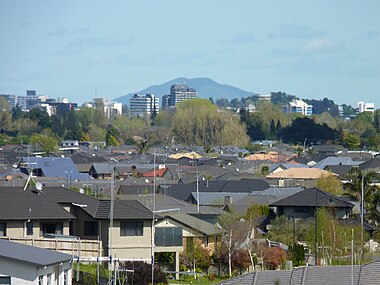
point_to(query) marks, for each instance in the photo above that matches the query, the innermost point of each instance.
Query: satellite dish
(38, 186)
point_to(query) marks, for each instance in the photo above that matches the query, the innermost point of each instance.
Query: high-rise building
(11, 99)
(180, 93)
(299, 106)
(365, 107)
(140, 105)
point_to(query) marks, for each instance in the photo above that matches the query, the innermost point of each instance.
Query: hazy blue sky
(312, 49)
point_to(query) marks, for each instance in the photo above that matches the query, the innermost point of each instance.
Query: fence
(75, 247)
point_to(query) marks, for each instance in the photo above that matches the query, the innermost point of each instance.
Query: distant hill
(205, 87)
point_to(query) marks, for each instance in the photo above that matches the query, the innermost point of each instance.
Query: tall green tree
(44, 143)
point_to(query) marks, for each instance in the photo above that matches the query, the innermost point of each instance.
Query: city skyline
(309, 49)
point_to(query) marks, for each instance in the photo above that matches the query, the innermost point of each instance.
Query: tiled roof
(335, 161)
(366, 274)
(195, 223)
(301, 173)
(312, 197)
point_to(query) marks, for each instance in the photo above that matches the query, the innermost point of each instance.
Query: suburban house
(65, 220)
(304, 204)
(23, 265)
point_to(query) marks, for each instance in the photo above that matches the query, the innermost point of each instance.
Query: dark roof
(312, 275)
(17, 204)
(86, 158)
(313, 197)
(31, 254)
(183, 191)
(356, 222)
(370, 164)
(341, 170)
(48, 204)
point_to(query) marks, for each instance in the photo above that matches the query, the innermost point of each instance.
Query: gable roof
(31, 254)
(370, 164)
(312, 197)
(195, 223)
(183, 191)
(53, 167)
(17, 204)
(49, 204)
(301, 173)
(335, 161)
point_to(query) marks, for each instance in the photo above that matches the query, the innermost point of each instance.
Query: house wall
(17, 229)
(340, 213)
(187, 232)
(23, 273)
(132, 246)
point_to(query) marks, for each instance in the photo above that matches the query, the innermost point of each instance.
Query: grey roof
(195, 223)
(370, 164)
(53, 167)
(86, 158)
(341, 170)
(31, 254)
(286, 166)
(216, 198)
(313, 275)
(313, 197)
(183, 191)
(17, 204)
(336, 161)
(48, 204)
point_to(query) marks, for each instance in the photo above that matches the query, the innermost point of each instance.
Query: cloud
(64, 32)
(243, 38)
(320, 45)
(295, 31)
(84, 41)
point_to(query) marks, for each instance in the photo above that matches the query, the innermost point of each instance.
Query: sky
(82, 49)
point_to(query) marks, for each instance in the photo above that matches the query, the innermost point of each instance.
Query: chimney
(227, 200)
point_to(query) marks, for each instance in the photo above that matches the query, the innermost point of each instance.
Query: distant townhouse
(299, 106)
(178, 94)
(141, 105)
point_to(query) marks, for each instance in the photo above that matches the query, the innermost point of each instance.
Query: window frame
(131, 228)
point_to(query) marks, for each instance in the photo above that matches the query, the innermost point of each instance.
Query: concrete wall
(23, 273)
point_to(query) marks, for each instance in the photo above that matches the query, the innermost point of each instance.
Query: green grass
(200, 281)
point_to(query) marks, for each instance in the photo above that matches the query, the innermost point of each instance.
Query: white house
(25, 265)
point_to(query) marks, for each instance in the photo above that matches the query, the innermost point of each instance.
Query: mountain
(205, 87)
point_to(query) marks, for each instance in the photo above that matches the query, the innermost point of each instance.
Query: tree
(45, 143)
(143, 273)
(235, 233)
(195, 255)
(198, 122)
(274, 257)
(358, 178)
(330, 184)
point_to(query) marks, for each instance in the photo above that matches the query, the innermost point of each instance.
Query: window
(90, 228)
(29, 228)
(170, 236)
(5, 280)
(48, 279)
(133, 228)
(41, 280)
(3, 230)
(51, 228)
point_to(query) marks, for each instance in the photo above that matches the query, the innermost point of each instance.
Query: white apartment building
(139, 105)
(365, 107)
(110, 108)
(299, 106)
